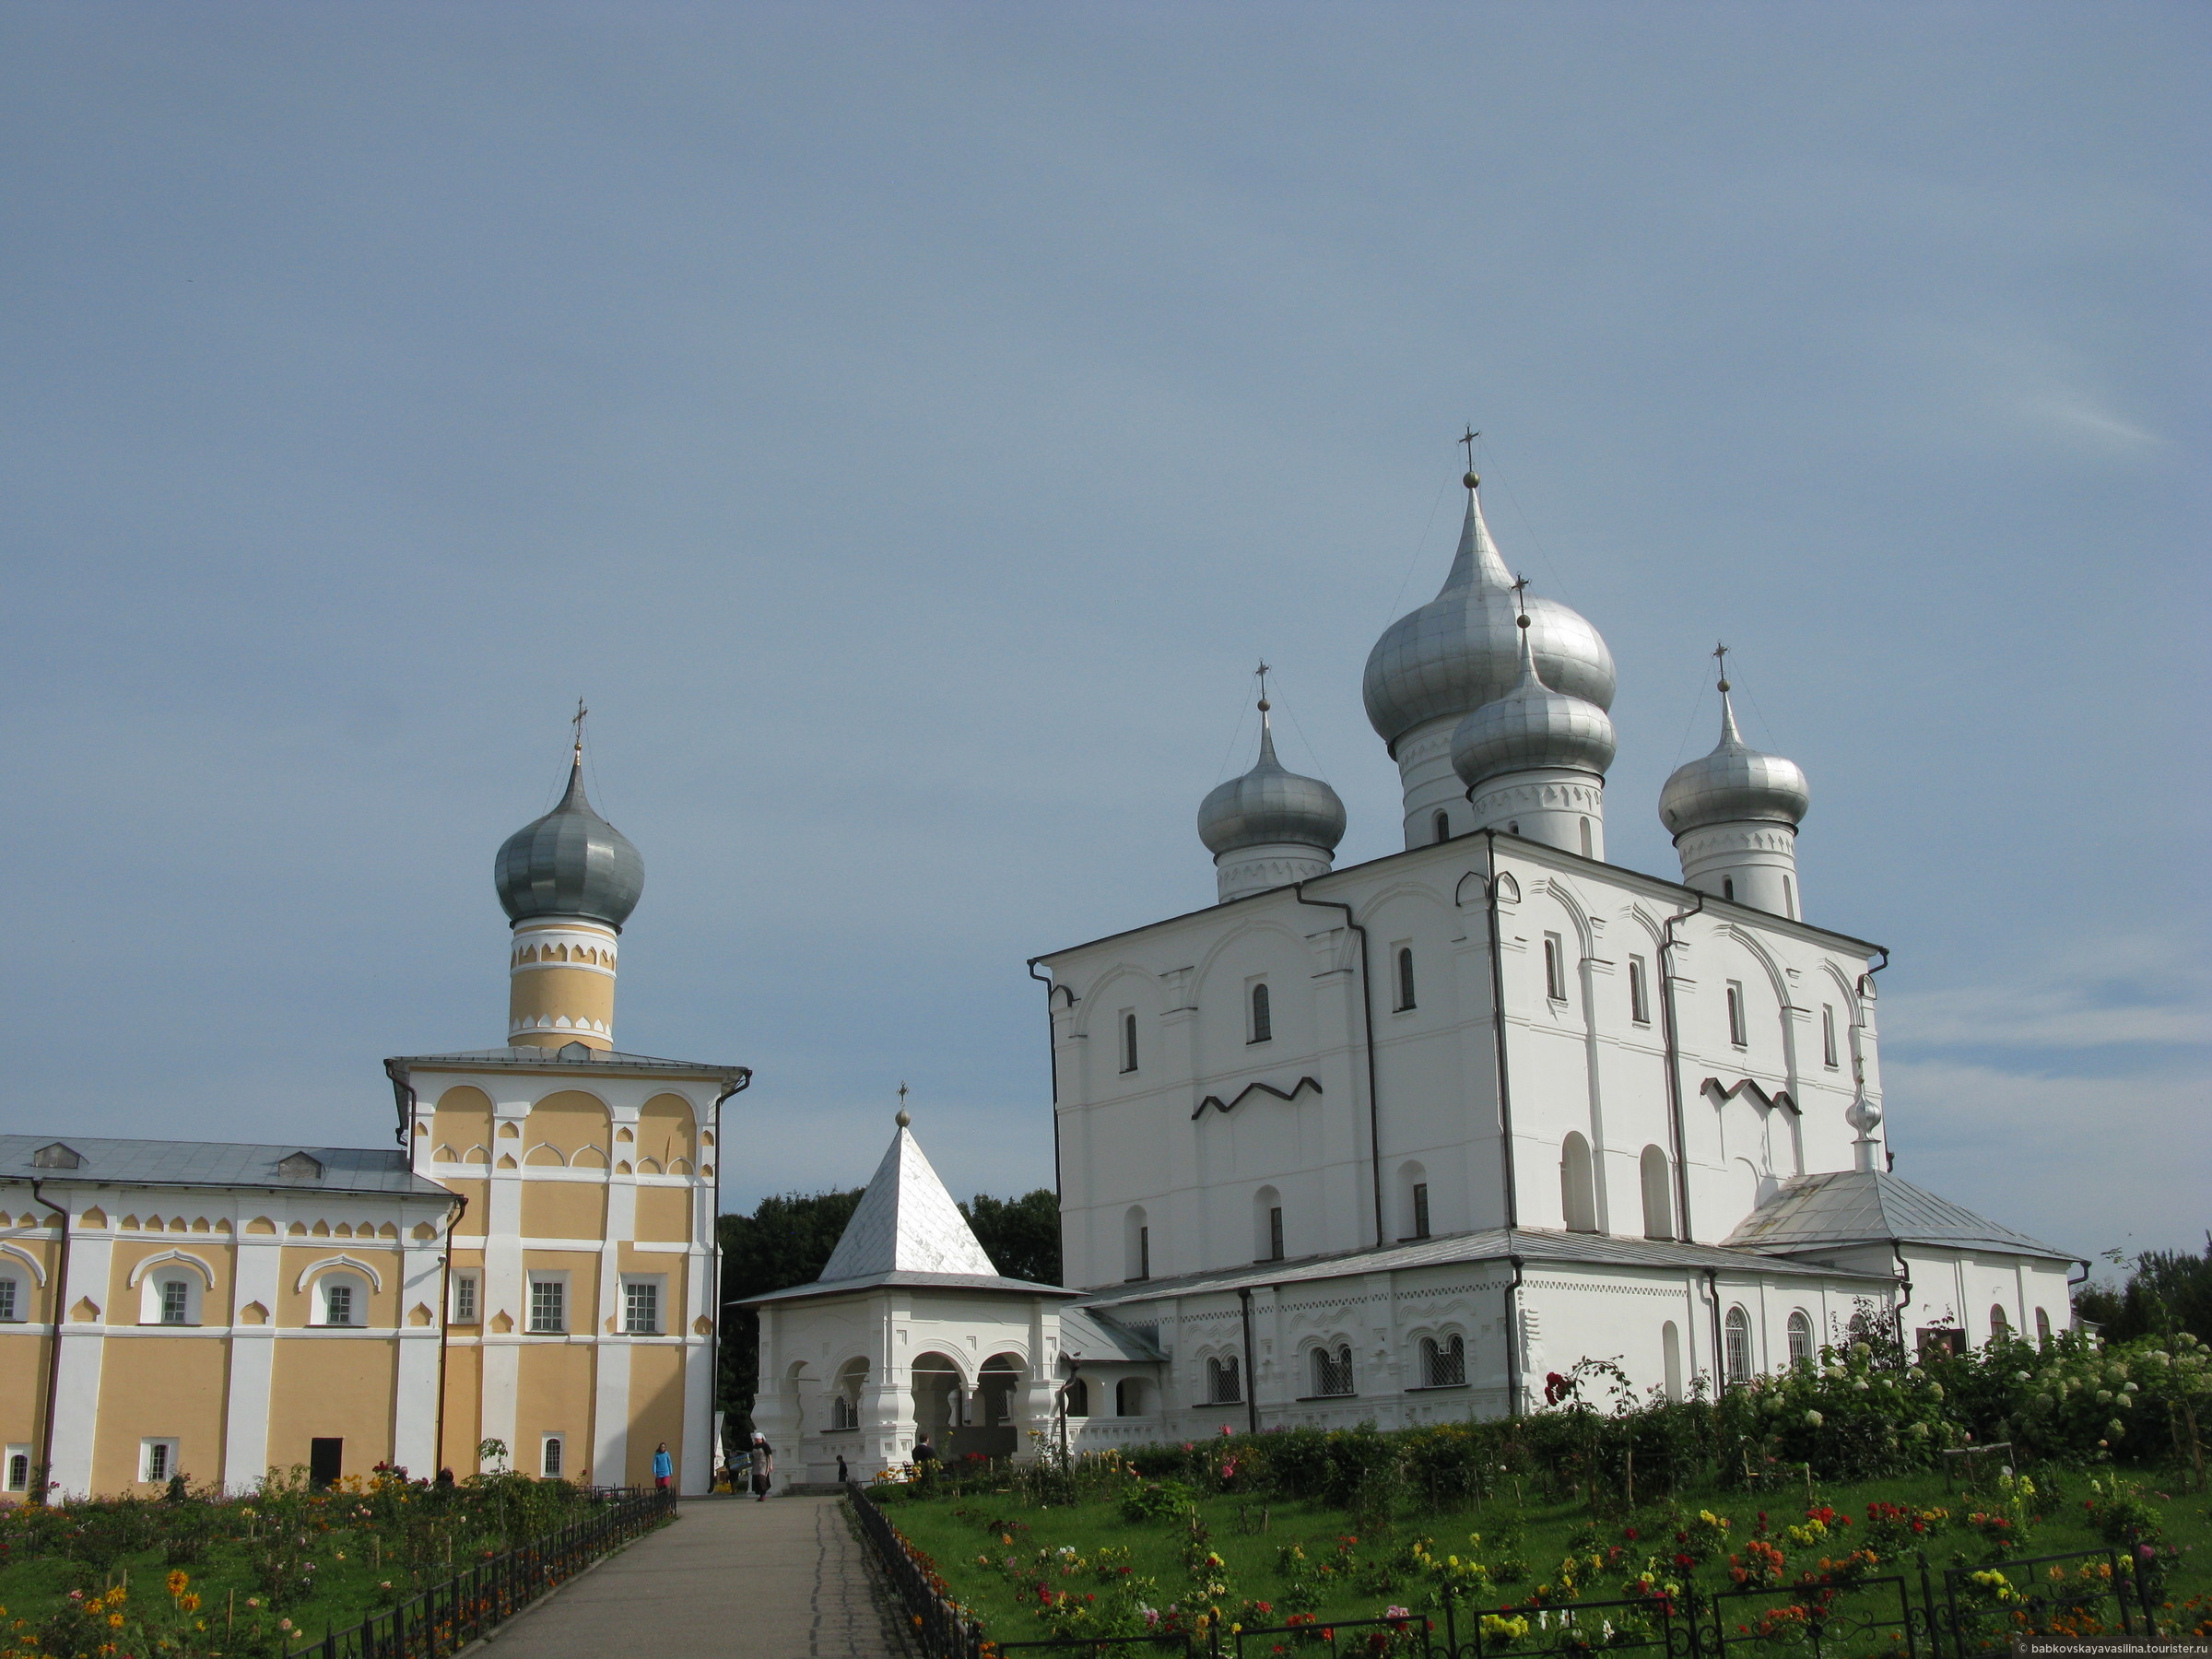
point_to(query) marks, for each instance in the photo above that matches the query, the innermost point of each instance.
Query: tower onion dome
(1531, 728)
(1458, 652)
(569, 863)
(1734, 784)
(1270, 805)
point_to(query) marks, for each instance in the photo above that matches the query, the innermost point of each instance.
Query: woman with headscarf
(764, 1465)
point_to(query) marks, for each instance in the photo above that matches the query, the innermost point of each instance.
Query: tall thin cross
(902, 1093)
(1264, 671)
(1521, 597)
(1720, 653)
(576, 720)
(1469, 441)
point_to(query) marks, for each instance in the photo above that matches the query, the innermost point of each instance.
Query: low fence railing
(447, 1617)
(1923, 1613)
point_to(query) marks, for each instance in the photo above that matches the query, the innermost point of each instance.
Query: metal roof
(216, 1164)
(1872, 1206)
(1533, 1246)
(1086, 1334)
(907, 1223)
(571, 1057)
(569, 863)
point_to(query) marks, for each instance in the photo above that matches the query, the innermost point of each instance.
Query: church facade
(1399, 1142)
(530, 1263)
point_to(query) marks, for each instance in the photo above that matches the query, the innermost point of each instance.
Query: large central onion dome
(1460, 651)
(1734, 784)
(1531, 728)
(569, 863)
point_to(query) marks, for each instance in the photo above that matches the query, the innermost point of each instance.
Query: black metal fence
(1951, 1612)
(446, 1617)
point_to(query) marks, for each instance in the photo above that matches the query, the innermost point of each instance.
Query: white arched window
(1263, 1015)
(1801, 1337)
(1658, 1193)
(340, 1297)
(1333, 1370)
(1128, 1040)
(1266, 1224)
(1737, 1345)
(1578, 1185)
(2043, 1326)
(1444, 1363)
(1999, 1325)
(1223, 1381)
(170, 1289)
(1136, 1244)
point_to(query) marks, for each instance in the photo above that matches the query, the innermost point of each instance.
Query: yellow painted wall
(294, 1305)
(338, 1386)
(664, 1214)
(553, 1395)
(463, 1119)
(656, 1408)
(664, 1130)
(160, 1387)
(474, 1218)
(125, 1299)
(570, 1121)
(564, 1209)
(537, 991)
(23, 1364)
(464, 1409)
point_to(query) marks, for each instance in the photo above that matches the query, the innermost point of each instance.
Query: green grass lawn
(968, 1538)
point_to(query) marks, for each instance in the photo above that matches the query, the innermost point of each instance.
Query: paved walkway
(730, 1578)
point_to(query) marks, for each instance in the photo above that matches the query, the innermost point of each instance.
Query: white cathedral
(1396, 1142)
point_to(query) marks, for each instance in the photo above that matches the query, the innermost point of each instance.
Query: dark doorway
(325, 1461)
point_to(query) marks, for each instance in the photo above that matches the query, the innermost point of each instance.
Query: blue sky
(906, 425)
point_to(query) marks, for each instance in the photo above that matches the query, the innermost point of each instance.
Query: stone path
(730, 1578)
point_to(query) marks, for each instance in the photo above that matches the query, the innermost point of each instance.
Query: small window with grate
(1444, 1364)
(1333, 1370)
(641, 1306)
(548, 1306)
(1223, 1381)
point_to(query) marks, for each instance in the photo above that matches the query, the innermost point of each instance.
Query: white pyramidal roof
(906, 1223)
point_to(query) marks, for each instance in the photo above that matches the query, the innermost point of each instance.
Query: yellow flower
(178, 1578)
(115, 1621)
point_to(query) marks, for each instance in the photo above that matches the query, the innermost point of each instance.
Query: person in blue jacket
(663, 1466)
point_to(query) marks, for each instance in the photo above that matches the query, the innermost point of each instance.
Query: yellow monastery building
(533, 1262)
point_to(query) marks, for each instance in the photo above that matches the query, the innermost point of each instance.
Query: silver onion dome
(1270, 805)
(1733, 784)
(1459, 651)
(569, 863)
(1532, 726)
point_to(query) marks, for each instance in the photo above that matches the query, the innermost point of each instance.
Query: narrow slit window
(1128, 1042)
(1405, 978)
(1274, 1233)
(1789, 898)
(1420, 1209)
(1143, 1253)
(1444, 826)
(1589, 842)
(1738, 1033)
(1555, 967)
(1640, 993)
(1828, 1035)
(1263, 1015)
(1728, 887)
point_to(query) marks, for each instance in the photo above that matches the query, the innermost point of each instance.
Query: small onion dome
(569, 863)
(1532, 726)
(1269, 806)
(1733, 784)
(1458, 652)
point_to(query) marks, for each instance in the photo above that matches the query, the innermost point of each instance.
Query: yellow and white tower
(568, 882)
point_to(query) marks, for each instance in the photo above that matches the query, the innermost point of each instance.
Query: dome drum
(1558, 807)
(1257, 869)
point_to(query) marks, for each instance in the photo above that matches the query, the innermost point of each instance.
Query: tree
(786, 1242)
(2167, 1292)
(1022, 1236)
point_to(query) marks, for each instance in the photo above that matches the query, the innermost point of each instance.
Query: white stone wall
(1578, 1063)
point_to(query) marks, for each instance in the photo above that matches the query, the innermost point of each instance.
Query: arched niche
(463, 1118)
(665, 1129)
(568, 1123)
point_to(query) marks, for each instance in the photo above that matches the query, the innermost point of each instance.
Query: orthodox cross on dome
(576, 720)
(903, 1117)
(1472, 477)
(1521, 598)
(1720, 655)
(1262, 671)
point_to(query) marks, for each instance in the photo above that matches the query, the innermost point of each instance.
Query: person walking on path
(663, 1466)
(764, 1465)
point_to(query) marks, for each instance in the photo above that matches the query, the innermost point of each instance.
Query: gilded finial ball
(1473, 480)
(1521, 621)
(1265, 705)
(1723, 685)
(903, 1118)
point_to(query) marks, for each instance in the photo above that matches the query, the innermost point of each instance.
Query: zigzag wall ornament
(1219, 1104)
(1711, 1089)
